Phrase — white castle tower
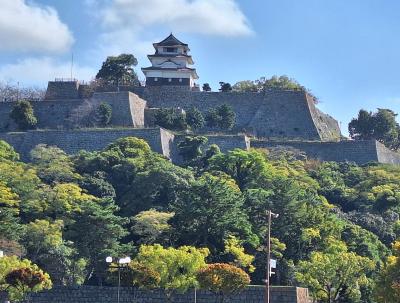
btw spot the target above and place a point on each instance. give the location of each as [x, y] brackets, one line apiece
[170, 64]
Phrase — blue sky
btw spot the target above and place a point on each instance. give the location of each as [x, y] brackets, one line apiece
[346, 51]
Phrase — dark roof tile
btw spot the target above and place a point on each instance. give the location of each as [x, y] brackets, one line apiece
[170, 41]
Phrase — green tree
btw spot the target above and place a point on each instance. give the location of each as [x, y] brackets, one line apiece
[152, 226]
[18, 277]
[241, 259]
[280, 83]
[137, 275]
[245, 86]
[7, 152]
[225, 87]
[177, 266]
[209, 211]
[387, 288]
[334, 275]
[103, 114]
[156, 187]
[222, 279]
[53, 165]
[10, 227]
[206, 87]
[222, 117]
[190, 148]
[194, 118]
[23, 115]
[381, 126]
[25, 280]
[227, 117]
[41, 237]
[119, 70]
[96, 232]
[171, 118]
[249, 169]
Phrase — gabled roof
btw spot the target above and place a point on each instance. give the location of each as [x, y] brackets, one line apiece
[170, 41]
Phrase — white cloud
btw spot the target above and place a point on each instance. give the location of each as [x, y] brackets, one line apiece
[37, 71]
[133, 25]
[28, 27]
[214, 17]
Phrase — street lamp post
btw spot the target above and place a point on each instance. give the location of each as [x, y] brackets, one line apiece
[270, 215]
[120, 264]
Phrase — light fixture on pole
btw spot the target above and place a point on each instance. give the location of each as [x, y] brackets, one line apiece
[120, 265]
[270, 215]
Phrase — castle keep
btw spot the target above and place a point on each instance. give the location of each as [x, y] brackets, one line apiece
[270, 119]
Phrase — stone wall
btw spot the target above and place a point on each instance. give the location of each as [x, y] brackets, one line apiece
[59, 90]
[93, 294]
[165, 142]
[273, 114]
[127, 110]
[386, 155]
[90, 139]
[127, 107]
[360, 152]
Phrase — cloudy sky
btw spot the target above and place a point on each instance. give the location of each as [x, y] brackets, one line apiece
[346, 51]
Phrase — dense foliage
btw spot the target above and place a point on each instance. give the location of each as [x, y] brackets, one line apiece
[334, 234]
[118, 70]
[103, 114]
[222, 279]
[381, 126]
[273, 83]
[171, 118]
[221, 117]
[23, 115]
[18, 277]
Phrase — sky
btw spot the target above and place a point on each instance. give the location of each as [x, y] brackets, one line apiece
[345, 51]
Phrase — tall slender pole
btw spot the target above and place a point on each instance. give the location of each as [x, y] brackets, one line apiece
[119, 281]
[72, 64]
[268, 258]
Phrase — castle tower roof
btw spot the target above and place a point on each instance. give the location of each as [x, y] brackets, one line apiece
[171, 40]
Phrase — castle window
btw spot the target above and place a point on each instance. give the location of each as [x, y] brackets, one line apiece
[155, 79]
[170, 49]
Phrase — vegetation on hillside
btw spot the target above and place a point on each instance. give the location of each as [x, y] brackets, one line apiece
[334, 234]
[381, 126]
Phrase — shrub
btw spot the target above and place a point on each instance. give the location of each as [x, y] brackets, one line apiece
[222, 279]
[225, 87]
[23, 115]
[222, 117]
[206, 87]
[194, 118]
[103, 114]
[190, 147]
[170, 118]
[227, 116]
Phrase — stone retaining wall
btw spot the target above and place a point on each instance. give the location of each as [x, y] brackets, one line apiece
[90, 139]
[93, 294]
[360, 152]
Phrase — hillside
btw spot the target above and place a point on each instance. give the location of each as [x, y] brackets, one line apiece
[76, 210]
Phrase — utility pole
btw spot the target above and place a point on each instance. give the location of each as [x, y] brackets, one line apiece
[270, 214]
